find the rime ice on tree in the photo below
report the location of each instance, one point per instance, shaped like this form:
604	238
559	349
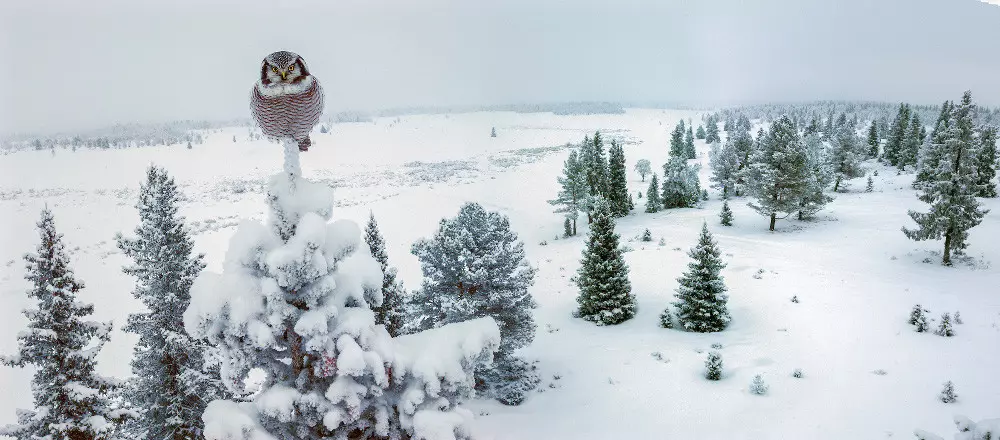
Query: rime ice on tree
291	302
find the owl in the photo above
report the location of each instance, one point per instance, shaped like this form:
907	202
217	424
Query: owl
287	100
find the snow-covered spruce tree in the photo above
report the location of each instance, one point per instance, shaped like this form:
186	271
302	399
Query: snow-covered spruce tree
870	185
567	228
647	235
597	166
713	366
958	318
873	140
922	325
915	313
677	146
700	133
845	156
474	266
910	151
701	296
606	296
744	145
897	135
653	202
174	378
689	143
818	178
726	215
777	176
680	187
618	196
493	132
572	198
758	386
944	328
390	312
72	402
644	168
948	393
987	162
952	189
929	160
292	303
725	162
712	132
666	318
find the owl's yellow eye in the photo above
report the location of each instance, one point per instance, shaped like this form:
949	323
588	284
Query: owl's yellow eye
291	68
275	69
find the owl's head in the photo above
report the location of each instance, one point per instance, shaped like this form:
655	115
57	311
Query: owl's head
283	67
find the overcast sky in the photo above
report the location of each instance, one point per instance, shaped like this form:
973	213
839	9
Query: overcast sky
74	64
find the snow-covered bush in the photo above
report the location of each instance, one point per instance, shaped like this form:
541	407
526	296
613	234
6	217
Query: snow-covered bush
958	318
915	313
988	429
666	319
948	393
797	373
944	328
647	235
713	366
758	386
292	302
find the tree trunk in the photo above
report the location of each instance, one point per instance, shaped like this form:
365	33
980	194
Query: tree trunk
773	218
574	227
836	185
946	260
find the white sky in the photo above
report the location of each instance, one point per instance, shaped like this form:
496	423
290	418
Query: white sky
72	64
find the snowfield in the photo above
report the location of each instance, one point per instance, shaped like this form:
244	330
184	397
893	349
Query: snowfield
866	373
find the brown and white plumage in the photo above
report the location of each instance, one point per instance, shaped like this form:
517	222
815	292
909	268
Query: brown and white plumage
287	100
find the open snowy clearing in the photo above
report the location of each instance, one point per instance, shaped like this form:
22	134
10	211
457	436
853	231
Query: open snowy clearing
855	274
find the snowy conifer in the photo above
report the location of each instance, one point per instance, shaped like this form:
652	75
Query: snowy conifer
777	176
644	168
725	162
689	143
666	318
987	162
922	325
845	156
713	366
617	187
292	304
712	132
567	228
72	402
758	386
173	380
700	133
958	318
493	132
818	178
873	140
952	189
605	291
653	202
474	266
390	312
944	327
647	236
680	187
573	196
897	135
596	165
915	314
677	146
910	150
948	393
726	215
870	185
701	305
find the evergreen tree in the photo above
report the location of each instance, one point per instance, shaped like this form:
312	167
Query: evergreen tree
666	318
873	140
493	132
700	133
777	176
812	128
915	314
701	305
474	266
910	150
897	135
845	156
744	146
680	187
725	164
713	366
712	132
929	160
726	216
292	304
647	236
951	192
72	402
870	186
575	189
567	228
944	328
948	395
689	144
653	202
987	162
390	311
644	168
173	380
819	177
617	193
605	291
677	146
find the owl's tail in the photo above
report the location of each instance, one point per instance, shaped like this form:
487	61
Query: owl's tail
304	144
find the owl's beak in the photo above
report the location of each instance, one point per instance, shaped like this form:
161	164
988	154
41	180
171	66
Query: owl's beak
283	74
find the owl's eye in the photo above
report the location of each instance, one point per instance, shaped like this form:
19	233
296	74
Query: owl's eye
291	68
275	69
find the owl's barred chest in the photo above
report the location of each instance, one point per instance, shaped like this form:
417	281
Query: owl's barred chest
284	112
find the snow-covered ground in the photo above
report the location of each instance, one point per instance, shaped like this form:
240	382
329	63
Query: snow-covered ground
855	274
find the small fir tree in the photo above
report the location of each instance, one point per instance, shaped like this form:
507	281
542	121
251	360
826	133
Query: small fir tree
870	186
653	203
958	318
948	393
909	152
952	190
726	216
873	140
915	314
725	163
713	366
944	327
677	145
390	310
701	305
493	132
72	402
617	187
689	143
666	318
574	192
647	236
922	325
606	296
644	168
758	386
897	135
700	133
712	132
680	187
987	162
567	228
